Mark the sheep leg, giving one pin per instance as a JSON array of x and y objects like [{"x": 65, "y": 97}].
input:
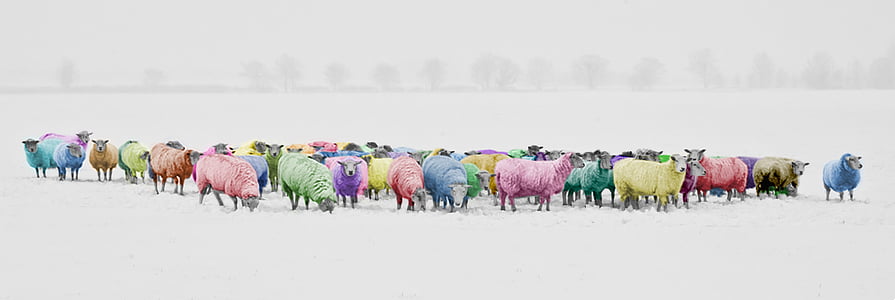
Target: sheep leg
[
  {"x": 235, "y": 207},
  {"x": 353, "y": 200},
  {"x": 742, "y": 195},
  {"x": 729, "y": 195},
  {"x": 217, "y": 195},
  {"x": 548, "y": 203},
  {"x": 307, "y": 202},
  {"x": 164, "y": 181},
  {"x": 377, "y": 195},
  {"x": 851, "y": 195},
  {"x": 841, "y": 196},
  {"x": 203, "y": 192},
  {"x": 503, "y": 200},
  {"x": 98, "y": 176},
  {"x": 828, "y": 191},
  {"x": 564, "y": 198},
  {"x": 155, "y": 181}
]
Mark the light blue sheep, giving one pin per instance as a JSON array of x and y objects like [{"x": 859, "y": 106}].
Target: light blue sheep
[
  {"x": 68, "y": 156},
  {"x": 843, "y": 175},
  {"x": 259, "y": 163},
  {"x": 40, "y": 154},
  {"x": 444, "y": 178}
]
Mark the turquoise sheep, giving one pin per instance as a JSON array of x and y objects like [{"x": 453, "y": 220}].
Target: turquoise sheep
[{"x": 40, "y": 154}]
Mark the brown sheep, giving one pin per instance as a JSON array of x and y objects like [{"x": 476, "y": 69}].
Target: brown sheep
[
  {"x": 778, "y": 173},
  {"x": 103, "y": 157},
  {"x": 166, "y": 162}
]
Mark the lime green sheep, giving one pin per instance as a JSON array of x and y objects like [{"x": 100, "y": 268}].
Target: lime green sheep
[{"x": 134, "y": 156}]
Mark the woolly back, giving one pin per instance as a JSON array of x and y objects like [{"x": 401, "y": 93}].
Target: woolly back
[
  {"x": 306, "y": 177},
  {"x": 441, "y": 171},
  {"x": 473, "y": 180},
  {"x": 121, "y": 163}
]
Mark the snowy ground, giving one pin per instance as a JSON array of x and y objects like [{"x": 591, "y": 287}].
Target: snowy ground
[{"x": 91, "y": 240}]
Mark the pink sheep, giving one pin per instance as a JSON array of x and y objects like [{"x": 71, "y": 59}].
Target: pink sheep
[
  {"x": 325, "y": 146},
  {"x": 233, "y": 176},
  {"x": 220, "y": 148},
  {"x": 405, "y": 176},
  {"x": 518, "y": 177},
  {"x": 361, "y": 171},
  {"x": 724, "y": 173}
]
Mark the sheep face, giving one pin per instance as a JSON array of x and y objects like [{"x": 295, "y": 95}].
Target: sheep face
[
  {"x": 30, "y": 145},
  {"x": 260, "y": 146},
  {"x": 327, "y": 205},
  {"x": 372, "y": 145},
  {"x": 75, "y": 150},
  {"x": 84, "y": 136},
  {"x": 251, "y": 202},
  {"x": 576, "y": 160},
  {"x": 554, "y": 155},
  {"x": 458, "y": 191},
  {"x": 419, "y": 196},
  {"x": 349, "y": 167},
  {"x": 472, "y": 152},
  {"x": 798, "y": 167},
  {"x": 318, "y": 157},
  {"x": 175, "y": 144},
  {"x": 605, "y": 159},
  {"x": 221, "y": 148},
  {"x": 694, "y": 154},
  {"x": 417, "y": 156},
  {"x": 590, "y": 156},
  {"x": 484, "y": 178},
  {"x": 274, "y": 149},
  {"x": 194, "y": 157},
  {"x": 380, "y": 153},
  {"x": 680, "y": 163},
  {"x": 534, "y": 149},
  {"x": 294, "y": 150},
  {"x": 647, "y": 154},
  {"x": 388, "y": 148},
  {"x": 854, "y": 162},
  {"x": 443, "y": 152},
  {"x": 696, "y": 168},
  {"x": 145, "y": 155},
  {"x": 101, "y": 145}
]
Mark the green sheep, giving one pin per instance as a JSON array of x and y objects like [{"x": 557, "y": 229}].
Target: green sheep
[
  {"x": 134, "y": 156},
  {"x": 301, "y": 176}
]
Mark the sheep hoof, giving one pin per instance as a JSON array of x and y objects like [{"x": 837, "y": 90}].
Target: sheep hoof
[{"x": 504, "y": 208}]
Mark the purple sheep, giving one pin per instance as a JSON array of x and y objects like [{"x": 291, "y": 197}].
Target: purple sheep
[
  {"x": 750, "y": 163},
  {"x": 489, "y": 151},
  {"x": 522, "y": 178},
  {"x": 347, "y": 178}
]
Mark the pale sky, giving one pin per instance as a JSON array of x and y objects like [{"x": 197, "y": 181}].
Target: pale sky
[{"x": 205, "y": 41}]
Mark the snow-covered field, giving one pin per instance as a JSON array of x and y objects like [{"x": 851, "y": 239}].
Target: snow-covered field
[{"x": 92, "y": 240}]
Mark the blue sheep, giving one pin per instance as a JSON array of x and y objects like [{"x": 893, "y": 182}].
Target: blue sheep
[
  {"x": 445, "y": 179},
  {"x": 259, "y": 163},
  {"x": 843, "y": 174},
  {"x": 458, "y": 156},
  {"x": 70, "y": 156},
  {"x": 327, "y": 154},
  {"x": 40, "y": 154}
]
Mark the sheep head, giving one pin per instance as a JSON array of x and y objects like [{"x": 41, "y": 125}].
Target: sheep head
[
  {"x": 534, "y": 149},
  {"x": 472, "y": 152},
  {"x": 854, "y": 162},
  {"x": 419, "y": 196},
  {"x": 372, "y": 145},
  {"x": 458, "y": 191},
  {"x": 647, "y": 154},
  {"x": 680, "y": 163},
  {"x": 443, "y": 152},
  {"x": 100, "y": 145},
  {"x": 484, "y": 178},
  {"x": 605, "y": 159},
  {"x": 590, "y": 156},
  {"x": 221, "y": 148},
  {"x": 349, "y": 166},
  {"x": 695, "y": 154},
  {"x": 84, "y": 136},
  {"x": 388, "y": 148},
  {"x": 576, "y": 160},
  {"x": 417, "y": 156},
  {"x": 251, "y": 202},
  {"x": 75, "y": 150},
  {"x": 175, "y": 144},
  {"x": 144, "y": 155},
  {"x": 30, "y": 145},
  {"x": 696, "y": 168},
  {"x": 327, "y": 205},
  {"x": 555, "y": 154},
  {"x": 194, "y": 156},
  {"x": 798, "y": 167},
  {"x": 318, "y": 157},
  {"x": 260, "y": 146},
  {"x": 380, "y": 153},
  {"x": 294, "y": 150}
]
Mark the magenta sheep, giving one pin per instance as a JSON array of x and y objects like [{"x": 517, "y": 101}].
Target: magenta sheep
[
  {"x": 230, "y": 175},
  {"x": 324, "y": 146},
  {"x": 518, "y": 177},
  {"x": 81, "y": 138},
  {"x": 694, "y": 171},
  {"x": 405, "y": 176},
  {"x": 727, "y": 173}
]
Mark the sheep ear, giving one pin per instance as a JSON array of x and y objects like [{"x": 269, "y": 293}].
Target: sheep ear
[
  {"x": 687, "y": 150},
  {"x": 660, "y": 152},
  {"x": 701, "y": 151},
  {"x": 859, "y": 157},
  {"x": 492, "y": 175},
  {"x": 106, "y": 141},
  {"x": 94, "y": 141},
  {"x": 807, "y": 164}
]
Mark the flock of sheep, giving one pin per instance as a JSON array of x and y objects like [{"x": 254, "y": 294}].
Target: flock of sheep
[{"x": 327, "y": 173}]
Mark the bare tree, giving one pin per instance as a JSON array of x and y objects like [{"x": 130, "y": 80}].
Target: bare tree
[
  {"x": 819, "y": 72},
  {"x": 287, "y": 70},
  {"x": 540, "y": 72},
  {"x": 66, "y": 73},
  {"x": 506, "y": 74},
  {"x": 153, "y": 78},
  {"x": 646, "y": 73},
  {"x": 386, "y": 76},
  {"x": 702, "y": 63},
  {"x": 336, "y": 74},
  {"x": 589, "y": 69},
  {"x": 483, "y": 71},
  {"x": 433, "y": 73},
  {"x": 882, "y": 73},
  {"x": 855, "y": 76},
  {"x": 762, "y": 71},
  {"x": 257, "y": 74}
]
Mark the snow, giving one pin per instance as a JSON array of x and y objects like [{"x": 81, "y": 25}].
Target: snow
[{"x": 101, "y": 240}]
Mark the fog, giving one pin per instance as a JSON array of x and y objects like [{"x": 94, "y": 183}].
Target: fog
[{"x": 210, "y": 42}]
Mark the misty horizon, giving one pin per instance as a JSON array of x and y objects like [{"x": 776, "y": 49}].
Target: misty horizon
[{"x": 205, "y": 42}]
